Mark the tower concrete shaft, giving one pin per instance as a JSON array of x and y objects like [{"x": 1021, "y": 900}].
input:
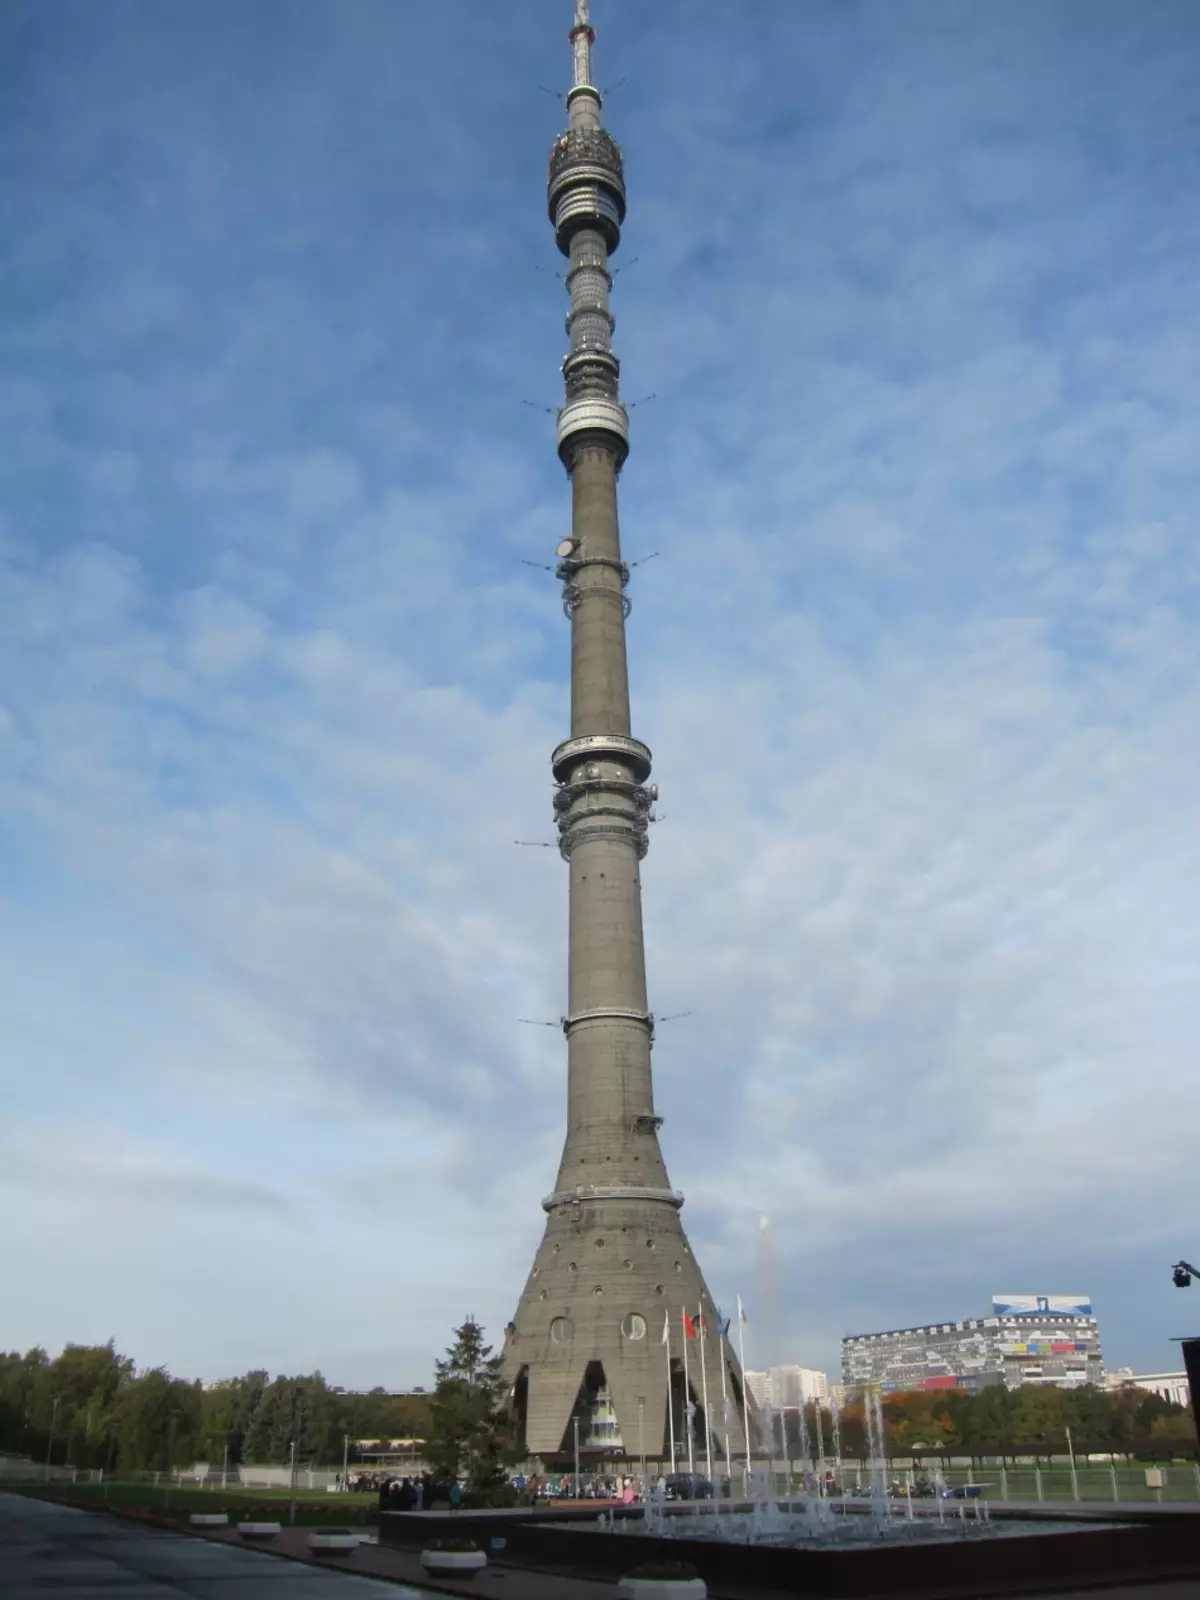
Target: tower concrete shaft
[{"x": 614, "y": 1267}]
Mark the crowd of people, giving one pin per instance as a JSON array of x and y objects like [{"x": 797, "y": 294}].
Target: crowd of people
[
  {"x": 362, "y": 1482},
  {"x": 562, "y": 1487},
  {"x": 423, "y": 1492}
]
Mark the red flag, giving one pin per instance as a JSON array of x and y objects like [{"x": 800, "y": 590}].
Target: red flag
[{"x": 689, "y": 1327}]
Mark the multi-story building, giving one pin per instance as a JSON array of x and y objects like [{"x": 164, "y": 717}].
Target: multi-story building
[
  {"x": 758, "y": 1386},
  {"x": 1169, "y": 1386},
  {"x": 1027, "y": 1339},
  {"x": 788, "y": 1386}
]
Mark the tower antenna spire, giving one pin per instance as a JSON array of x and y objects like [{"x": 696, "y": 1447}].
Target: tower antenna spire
[{"x": 583, "y": 37}]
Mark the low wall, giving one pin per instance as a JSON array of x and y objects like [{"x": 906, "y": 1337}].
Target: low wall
[
  {"x": 281, "y": 1477},
  {"x": 1006, "y": 1565},
  {"x": 17, "y": 1469}
]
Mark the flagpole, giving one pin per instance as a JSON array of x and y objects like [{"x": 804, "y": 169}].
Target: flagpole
[
  {"x": 666, "y": 1339},
  {"x": 745, "y": 1390},
  {"x": 687, "y": 1392},
  {"x": 724, "y": 1399},
  {"x": 704, "y": 1396}
]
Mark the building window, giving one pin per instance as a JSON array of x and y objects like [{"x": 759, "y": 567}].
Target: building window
[
  {"x": 633, "y": 1326},
  {"x": 562, "y": 1330}
]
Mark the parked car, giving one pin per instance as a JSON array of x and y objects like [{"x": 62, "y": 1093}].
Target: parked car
[
  {"x": 963, "y": 1491},
  {"x": 689, "y": 1486}
]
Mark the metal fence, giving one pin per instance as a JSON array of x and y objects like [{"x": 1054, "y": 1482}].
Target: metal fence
[
  {"x": 278, "y": 1478},
  {"x": 1112, "y": 1482}
]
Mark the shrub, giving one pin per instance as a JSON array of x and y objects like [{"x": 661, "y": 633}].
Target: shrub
[{"x": 458, "y": 1547}]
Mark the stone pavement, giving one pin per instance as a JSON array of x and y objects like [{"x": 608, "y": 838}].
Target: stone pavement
[
  {"x": 403, "y": 1567},
  {"x": 51, "y": 1552}
]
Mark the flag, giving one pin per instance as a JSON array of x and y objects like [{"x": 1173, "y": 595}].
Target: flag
[
  {"x": 742, "y": 1318},
  {"x": 722, "y": 1324},
  {"x": 689, "y": 1327},
  {"x": 666, "y": 1338}
]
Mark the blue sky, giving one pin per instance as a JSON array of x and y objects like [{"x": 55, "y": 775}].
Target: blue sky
[{"x": 913, "y": 285}]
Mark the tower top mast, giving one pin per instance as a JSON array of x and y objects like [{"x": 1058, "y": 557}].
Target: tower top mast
[{"x": 583, "y": 36}]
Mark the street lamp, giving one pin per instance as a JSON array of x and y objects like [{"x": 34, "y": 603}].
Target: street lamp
[
  {"x": 50, "y": 1440},
  {"x": 172, "y": 1419},
  {"x": 296, "y": 1397}
]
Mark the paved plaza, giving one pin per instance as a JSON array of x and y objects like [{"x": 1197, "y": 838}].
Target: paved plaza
[
  {"x": 53, "y": 1552},
  {"x": 50, "y": 1552}
]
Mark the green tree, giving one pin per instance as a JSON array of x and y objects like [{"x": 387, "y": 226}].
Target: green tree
[
  {"x": 290, "y": 1408},
  {"x": 1174, "y": 1424},
  {"x": 86, "y": 1381},
  {"x": 470, "y": 1428},
  {"x": 226, "y": 1411},
  {"x": 1041, "y": 1416},
  {"x": 157, "y": 1421}
]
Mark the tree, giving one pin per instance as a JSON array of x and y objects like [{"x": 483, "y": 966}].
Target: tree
[
  {"x": 1041, "y": 1417},
  {"x": 290, "y": 1408},
  {"x": 918, "y": 1417},
  {"x": 988, "y": 1418},
  {"x": 225, "y": 1415},
  {"x": 470, "y": 1430},
  {"x": 156, "y": 1421},
  {"x": 852, "y": 1431}
]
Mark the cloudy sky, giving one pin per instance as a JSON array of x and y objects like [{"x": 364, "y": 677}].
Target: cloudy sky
[{"x": 915, "y": 292}]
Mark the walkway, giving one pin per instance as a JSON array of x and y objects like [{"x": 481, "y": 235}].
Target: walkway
[{"x": 50, "y": 1552}]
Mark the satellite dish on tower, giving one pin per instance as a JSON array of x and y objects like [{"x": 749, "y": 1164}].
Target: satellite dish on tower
[{"x": 563, "y": 548}]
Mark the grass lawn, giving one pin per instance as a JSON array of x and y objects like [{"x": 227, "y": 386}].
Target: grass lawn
[
  {"x": 1095, "y": 1483},
  {"x": 179, "y": 1501}
]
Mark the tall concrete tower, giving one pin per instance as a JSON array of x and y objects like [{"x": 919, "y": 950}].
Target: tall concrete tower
[{"x": 587, "y": 1342}]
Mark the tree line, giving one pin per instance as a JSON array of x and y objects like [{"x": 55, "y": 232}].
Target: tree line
[
  {"x": 91, "y": 1407},
  {"x": 1030, "y": 1420}
]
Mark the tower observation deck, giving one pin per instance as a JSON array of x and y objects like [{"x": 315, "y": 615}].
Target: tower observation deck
[{"x": 586, "y": 1342}]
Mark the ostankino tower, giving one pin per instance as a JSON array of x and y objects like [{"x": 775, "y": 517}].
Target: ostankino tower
[{"x": 614, "y": 1267}]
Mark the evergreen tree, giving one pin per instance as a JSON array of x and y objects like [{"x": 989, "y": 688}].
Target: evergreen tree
[
  {"x": 470, "y": 1431},
  {"x": 291, "y": 1408}
]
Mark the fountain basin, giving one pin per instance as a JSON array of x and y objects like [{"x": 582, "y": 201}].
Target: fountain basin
[{"x": 1015, "y": 1555}]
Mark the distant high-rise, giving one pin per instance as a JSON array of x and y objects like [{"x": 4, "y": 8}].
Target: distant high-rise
[
  {"x": 1027, "y": 1339},
  {"x": 787, "y": 1386},
  {"x": 586, "y": 1344}
]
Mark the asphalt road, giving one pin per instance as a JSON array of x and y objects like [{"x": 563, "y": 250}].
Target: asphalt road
[{"x": 50, "y": 1552}]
